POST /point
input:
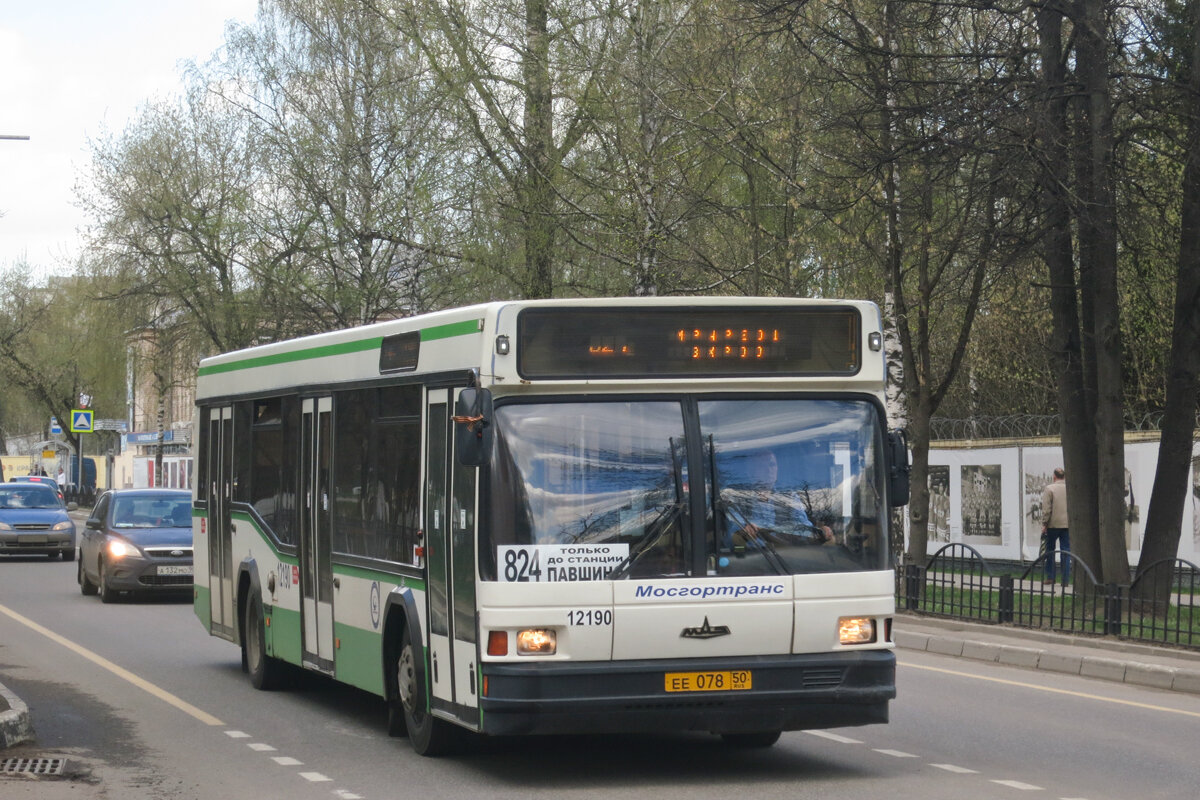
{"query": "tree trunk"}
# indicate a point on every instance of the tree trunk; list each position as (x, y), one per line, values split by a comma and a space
(537, 207)
(1098, 232)
(1170, 492)
(1066, 343)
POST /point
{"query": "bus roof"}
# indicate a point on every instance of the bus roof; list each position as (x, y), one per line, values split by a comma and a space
(469, 337)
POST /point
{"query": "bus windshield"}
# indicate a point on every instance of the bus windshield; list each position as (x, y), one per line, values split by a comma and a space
(600, 489)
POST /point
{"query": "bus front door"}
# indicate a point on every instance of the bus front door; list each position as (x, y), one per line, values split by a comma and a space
(316, 516)
(219, 495)
(450, 566)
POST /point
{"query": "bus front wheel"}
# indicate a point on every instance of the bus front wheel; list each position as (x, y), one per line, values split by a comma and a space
(266, 673)
(428, 735)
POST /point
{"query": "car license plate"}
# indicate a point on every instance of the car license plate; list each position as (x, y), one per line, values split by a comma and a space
(731, 680)
(182, 569)
(33, 538)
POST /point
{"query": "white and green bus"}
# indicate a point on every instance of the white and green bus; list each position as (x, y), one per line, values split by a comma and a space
(562, 516)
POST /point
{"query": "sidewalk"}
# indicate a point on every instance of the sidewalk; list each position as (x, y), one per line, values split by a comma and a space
(1173, 669)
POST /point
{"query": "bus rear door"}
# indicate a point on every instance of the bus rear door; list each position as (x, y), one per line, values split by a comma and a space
(218, 494)
(316, 517)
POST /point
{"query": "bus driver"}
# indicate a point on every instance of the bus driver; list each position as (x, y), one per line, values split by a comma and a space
(766, 511)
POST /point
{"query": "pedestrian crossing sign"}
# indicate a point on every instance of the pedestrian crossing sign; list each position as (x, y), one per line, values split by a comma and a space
(81, 420)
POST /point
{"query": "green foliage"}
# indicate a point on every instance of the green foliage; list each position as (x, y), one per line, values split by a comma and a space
(57, 343)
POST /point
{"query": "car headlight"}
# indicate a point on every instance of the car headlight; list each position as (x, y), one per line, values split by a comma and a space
(4, 526)
(119, 549)
(65, 525)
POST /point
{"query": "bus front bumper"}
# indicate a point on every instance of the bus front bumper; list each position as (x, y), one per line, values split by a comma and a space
(787, 693)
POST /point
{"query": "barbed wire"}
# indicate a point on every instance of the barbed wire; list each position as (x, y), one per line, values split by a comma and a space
(1025, 426)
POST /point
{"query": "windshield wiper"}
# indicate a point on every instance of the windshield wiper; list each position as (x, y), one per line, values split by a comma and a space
(769, 552)
(655, 531)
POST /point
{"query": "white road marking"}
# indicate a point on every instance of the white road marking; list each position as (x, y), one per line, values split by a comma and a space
(1024, 787)
(953, 768)
(237, 735)
(287, 761)
(833, 737)
(314, 777)
(120, 672)
(346, 795)
(1040, 688)
(895, 753)
(260, 747)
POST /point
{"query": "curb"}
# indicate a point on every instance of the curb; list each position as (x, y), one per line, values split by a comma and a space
(15, 725)
(1175, 679)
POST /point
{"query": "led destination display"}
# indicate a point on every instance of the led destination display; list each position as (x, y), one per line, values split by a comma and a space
(673, 342)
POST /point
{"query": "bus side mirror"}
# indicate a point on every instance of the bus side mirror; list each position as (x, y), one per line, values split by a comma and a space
(898, 467)
(473, 427)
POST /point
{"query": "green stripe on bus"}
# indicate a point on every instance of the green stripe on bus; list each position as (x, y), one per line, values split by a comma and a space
(465, 328)
(381, 575)
(296, 355)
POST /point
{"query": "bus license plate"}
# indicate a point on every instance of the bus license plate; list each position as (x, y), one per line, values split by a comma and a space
(175, 570)
(731, 680)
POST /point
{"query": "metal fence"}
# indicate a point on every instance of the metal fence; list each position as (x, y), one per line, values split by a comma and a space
(1159, 605)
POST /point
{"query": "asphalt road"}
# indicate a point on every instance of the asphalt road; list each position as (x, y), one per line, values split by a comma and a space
(143, 704)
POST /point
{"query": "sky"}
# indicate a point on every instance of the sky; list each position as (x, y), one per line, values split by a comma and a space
(72, 71)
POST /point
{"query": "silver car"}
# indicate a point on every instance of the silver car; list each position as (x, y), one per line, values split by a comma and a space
(34, 521)
(137, 541)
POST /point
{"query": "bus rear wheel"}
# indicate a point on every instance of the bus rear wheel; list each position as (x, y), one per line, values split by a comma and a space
(428, 735)
(266, 673)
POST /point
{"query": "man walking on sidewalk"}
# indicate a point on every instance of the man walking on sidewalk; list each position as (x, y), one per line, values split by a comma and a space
(1055, 535)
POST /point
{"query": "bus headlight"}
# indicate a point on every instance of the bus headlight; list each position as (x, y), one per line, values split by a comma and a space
(536, 642)
(856, 630)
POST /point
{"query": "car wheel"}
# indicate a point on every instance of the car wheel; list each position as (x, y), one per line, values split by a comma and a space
(266, 672)
(86, 587)
(107, 593)
(428, 735)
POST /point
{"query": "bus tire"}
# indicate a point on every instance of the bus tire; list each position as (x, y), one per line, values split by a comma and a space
(397, 727)
(266, 672)
(428, 735)
(758, 739)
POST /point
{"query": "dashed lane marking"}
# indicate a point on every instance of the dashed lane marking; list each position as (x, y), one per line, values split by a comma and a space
(314, 777)
(261, 747)
(833, 737)
(237, 735)
(895, 753)
(956, 769)
(287, 761)
(1024, 787)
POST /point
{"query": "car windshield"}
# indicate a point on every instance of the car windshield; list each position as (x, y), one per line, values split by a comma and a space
(790, 486)
(28, 496)
(145, 511)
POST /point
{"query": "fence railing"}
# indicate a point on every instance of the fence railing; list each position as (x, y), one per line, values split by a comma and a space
(1159, 605)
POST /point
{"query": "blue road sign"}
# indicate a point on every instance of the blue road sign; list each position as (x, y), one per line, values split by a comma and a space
(81, 420)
